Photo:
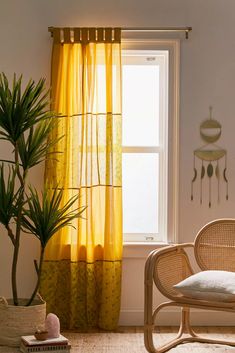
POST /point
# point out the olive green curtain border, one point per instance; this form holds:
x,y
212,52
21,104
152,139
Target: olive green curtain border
x,y
83,295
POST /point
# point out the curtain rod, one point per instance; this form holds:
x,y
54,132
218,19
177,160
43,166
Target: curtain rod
x,y
148,29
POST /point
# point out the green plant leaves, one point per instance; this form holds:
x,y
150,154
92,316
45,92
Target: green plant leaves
x,y
8,196
26,123
45,218
32,150
19,112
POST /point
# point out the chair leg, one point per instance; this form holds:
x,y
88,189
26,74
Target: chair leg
x,y
185,333
213,341
185,327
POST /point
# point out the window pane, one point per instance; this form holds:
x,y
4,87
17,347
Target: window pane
x,y
140,192
140,105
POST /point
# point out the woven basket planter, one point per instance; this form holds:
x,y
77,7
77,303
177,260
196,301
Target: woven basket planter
x,y
17,321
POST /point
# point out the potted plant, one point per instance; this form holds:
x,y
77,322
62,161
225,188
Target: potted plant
x,y
25,123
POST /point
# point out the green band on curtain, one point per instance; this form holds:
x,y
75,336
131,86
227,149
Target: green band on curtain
x,y
83,295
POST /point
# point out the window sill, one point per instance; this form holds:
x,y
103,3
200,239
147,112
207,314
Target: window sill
x,y
140,249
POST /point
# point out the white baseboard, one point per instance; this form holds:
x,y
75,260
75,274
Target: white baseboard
x,y
171,317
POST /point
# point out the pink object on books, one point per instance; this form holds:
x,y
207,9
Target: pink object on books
x,y
52,326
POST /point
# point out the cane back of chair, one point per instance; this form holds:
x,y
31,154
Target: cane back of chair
x,y
215,245
171,266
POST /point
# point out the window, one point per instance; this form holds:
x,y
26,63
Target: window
x,y
149,122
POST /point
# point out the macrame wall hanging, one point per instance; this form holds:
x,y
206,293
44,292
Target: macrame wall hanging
x,y
212,159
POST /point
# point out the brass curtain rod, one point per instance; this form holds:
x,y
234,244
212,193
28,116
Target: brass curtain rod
x,y
148,29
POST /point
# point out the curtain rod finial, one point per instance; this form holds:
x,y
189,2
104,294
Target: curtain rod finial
x,y
187,30
50,29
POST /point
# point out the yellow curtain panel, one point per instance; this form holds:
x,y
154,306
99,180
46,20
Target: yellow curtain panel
x,y
81,277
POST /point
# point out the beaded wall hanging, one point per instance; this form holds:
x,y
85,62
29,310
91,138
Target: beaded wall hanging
x,y
213,159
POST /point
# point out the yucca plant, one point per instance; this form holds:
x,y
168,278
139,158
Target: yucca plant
x,y
26,122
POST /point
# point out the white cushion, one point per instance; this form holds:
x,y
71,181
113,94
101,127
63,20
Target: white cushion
x,y
209,285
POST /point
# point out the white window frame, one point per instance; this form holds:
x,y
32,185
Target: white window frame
x,y
170,173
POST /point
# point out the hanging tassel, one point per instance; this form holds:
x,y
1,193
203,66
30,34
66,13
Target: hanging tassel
x,y
202,176
210,174
225,177
194,177
218,180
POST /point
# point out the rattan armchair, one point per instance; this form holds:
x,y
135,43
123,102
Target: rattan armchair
x,y
214,249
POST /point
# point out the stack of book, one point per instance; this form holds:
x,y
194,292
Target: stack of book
x,y
29,344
